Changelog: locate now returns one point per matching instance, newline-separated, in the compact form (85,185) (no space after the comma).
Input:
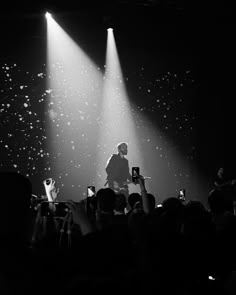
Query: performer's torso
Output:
(120,170)
(118,174)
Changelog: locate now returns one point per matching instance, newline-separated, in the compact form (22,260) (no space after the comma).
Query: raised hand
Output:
(141,181)
(50,189)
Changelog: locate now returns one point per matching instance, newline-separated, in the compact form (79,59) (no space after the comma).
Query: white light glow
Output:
(74,90)
(116,117)
(48,15)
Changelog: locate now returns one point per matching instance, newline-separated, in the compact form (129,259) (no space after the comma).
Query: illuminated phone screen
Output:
(91,191)
(135,173)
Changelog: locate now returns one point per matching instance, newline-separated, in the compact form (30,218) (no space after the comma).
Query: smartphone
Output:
(182,194)
(55,209)
(135,173)
(91,191)
(48,181)
(91,201)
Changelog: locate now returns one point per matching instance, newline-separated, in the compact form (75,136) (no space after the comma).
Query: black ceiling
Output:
(163,8)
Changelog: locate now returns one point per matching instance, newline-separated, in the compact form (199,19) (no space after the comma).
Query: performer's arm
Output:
(129,176)
(225,184)
(110,167)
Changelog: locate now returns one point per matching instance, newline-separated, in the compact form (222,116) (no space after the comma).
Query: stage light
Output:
(48,15)
(109,29)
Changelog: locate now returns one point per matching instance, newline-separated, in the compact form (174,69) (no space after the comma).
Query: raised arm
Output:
(50,189)
(146,205)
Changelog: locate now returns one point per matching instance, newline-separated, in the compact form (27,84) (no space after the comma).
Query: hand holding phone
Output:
(135,173)
(91,191)
(182,194)
(50,189)
(47,181)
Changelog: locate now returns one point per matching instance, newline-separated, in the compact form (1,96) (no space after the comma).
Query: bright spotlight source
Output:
(109,29)
(48,15)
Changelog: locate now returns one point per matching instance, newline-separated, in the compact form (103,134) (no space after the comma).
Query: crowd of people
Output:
(111,244)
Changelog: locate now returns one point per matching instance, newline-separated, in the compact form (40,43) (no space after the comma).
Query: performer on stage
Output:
(117,169)
(224,179)
(224,190)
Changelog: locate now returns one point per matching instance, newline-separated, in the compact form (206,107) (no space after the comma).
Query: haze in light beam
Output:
(74,94)
(116,116)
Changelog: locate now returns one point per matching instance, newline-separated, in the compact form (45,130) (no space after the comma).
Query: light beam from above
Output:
(116,116)
(74,91)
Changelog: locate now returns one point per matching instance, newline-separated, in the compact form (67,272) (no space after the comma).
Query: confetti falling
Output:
(23,117)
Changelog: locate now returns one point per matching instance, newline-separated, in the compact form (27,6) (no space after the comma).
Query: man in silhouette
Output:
(117,169)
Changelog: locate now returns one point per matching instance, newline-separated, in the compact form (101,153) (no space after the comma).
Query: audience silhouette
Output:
(118,244)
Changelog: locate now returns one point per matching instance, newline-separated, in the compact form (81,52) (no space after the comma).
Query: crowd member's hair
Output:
(106,198)
(133,198)
(120,203)
(16,197)
(172,204)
